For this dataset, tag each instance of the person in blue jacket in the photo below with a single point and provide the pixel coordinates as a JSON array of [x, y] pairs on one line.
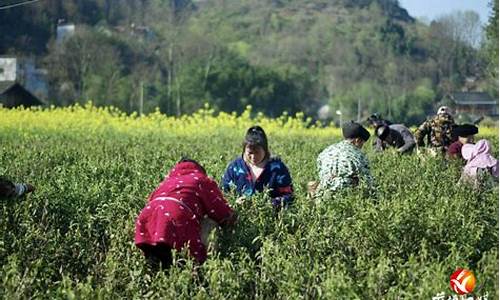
[[256, 169]]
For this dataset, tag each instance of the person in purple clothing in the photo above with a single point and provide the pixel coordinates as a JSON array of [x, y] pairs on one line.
[[481, 169], [256, 169]]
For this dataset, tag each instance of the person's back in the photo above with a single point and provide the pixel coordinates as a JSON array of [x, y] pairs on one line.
[[403, 131], [173, 216], [341, 165], [482, 168], [395, 135], [192, 187], [438, 131]]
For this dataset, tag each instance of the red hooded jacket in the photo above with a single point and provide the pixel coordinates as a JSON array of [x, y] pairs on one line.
[[175, 209]]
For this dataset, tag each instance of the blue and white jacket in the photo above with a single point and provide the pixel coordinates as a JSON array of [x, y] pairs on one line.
[[275, 177]]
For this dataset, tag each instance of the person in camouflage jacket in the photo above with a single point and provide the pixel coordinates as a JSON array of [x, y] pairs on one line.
[[438, 131]]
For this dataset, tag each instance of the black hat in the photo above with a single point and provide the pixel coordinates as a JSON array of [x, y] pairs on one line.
[[351, 130], [382, 131], [464, 130]]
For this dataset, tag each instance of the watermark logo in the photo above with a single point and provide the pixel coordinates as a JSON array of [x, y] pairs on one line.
[[462, 281]]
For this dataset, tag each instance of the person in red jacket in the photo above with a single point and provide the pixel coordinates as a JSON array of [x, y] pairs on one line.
[[173, 216]]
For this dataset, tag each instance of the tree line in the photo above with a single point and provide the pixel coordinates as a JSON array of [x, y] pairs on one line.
[[359, 56]]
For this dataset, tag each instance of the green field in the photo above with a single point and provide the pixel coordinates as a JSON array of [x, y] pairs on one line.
[[93, 169]]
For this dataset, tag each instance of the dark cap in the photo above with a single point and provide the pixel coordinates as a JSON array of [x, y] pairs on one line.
[[464, 130], [382, 131], [352, 130]]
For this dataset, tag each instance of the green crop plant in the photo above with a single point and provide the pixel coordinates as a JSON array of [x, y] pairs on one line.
[[94, 168]]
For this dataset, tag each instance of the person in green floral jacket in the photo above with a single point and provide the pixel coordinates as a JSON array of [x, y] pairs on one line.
[[343, 165]]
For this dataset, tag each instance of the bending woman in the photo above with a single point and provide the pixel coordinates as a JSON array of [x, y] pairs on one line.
[[173, 216]]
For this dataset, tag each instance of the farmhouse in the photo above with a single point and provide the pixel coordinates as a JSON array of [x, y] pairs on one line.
[[13, 94], [474, 103]]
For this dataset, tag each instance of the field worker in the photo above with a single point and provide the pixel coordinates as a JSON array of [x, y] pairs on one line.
[[173, 216], [437, 130], [481, 168], [256, 169], [375, 120], [465, 135], [9, 189], [343, 165], [395, 135]]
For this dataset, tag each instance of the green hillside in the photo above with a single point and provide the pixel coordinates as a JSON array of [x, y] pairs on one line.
[[358, 56]]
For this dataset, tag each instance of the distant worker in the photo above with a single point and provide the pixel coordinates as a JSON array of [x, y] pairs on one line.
[[395, 135], [376, 120], [464, 135], [437, 130], [481, 170], [343, 165]]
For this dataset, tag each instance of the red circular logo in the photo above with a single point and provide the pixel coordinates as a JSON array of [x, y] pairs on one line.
[[462, 281]]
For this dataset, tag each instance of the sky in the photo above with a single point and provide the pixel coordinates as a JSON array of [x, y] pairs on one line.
[[432, 9]]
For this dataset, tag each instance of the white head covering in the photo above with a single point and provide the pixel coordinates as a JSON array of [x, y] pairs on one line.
[[443, 110]]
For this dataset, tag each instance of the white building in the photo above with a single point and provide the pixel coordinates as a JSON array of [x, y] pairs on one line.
[[63, 32], [8, 69], [24, 71]]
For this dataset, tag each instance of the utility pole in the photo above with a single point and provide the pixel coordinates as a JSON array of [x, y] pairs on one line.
[[141, 97], [359, 109], [178, 98], [170, 75], [339, 113]]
